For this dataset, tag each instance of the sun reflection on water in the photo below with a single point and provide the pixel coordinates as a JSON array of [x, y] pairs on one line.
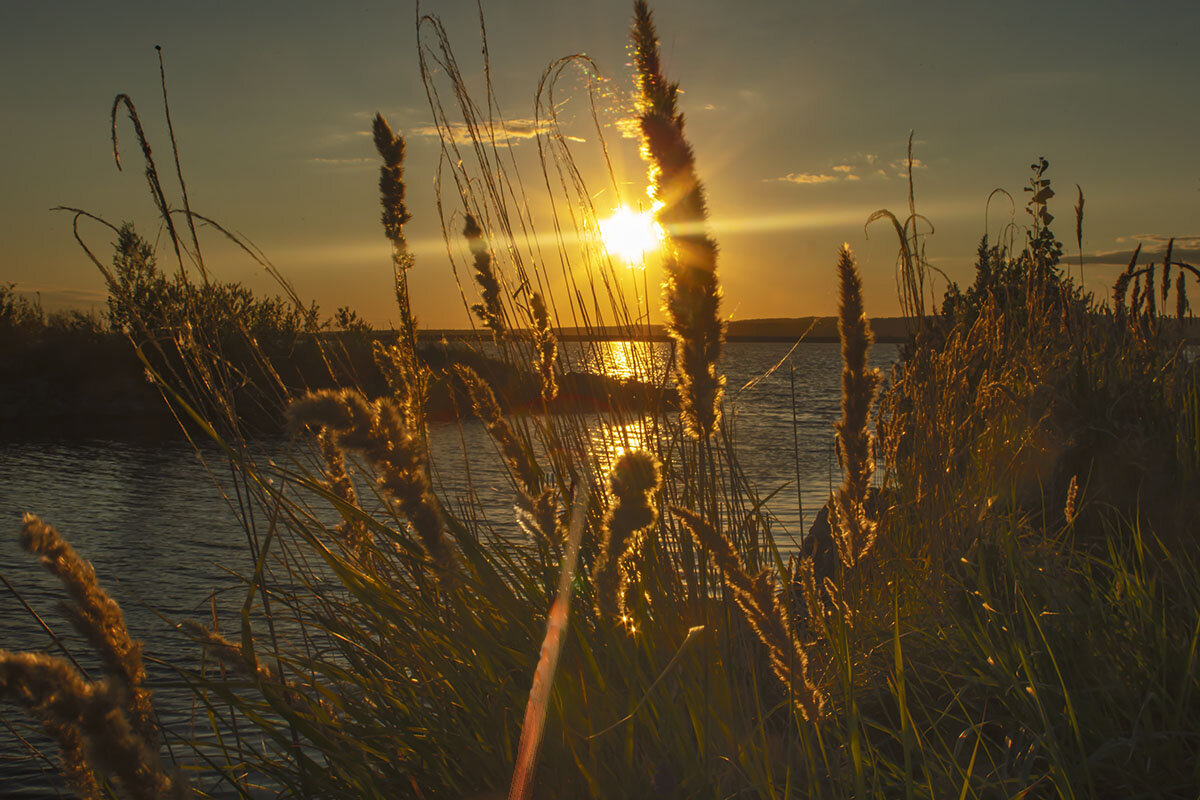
[[628, 360]]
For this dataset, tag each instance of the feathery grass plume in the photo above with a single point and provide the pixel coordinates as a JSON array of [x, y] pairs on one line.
[[1166, 280], [1150, 294], [231, 656], [1079, 230], [227, 653], [490, 312], [73, 752], [763, 610], [544, 345], [1122, 286], [402, 370], [1135, 299], [377, 430], [483, 403], [98, 619], [354, 535], [1181, 302], [634, 480], [390, 147], [535, 509], [854, 529], [391, 181], [1069, 508], [693, 296], [55, 691]]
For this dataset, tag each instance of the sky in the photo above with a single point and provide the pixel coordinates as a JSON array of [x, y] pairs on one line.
[[799, 114]]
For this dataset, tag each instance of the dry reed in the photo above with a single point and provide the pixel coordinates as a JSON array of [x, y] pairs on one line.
[[693, 296]]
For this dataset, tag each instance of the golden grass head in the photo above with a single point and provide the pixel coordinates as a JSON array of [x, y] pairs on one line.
[[490, 312], [764, 611], [391, 180], [634, 481], [378, 431], [96, 616], [855, 530], [544, 345], [1181, 301], [692, 293], [55, 691]]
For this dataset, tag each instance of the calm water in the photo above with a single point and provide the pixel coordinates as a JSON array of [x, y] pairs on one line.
[[164, 540]]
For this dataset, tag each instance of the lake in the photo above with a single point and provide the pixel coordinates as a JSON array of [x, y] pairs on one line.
[[165, 542]]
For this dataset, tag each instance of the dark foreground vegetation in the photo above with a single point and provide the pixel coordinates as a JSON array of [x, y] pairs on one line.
[[1002, 601]]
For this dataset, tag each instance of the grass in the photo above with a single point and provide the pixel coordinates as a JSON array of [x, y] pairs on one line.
[[1011, 611]]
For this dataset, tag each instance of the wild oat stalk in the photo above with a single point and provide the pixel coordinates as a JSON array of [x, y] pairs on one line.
[[854, 529], [693, 296], [634, 481], [764, 610], [377, 430], [490, 312], [98, 619]]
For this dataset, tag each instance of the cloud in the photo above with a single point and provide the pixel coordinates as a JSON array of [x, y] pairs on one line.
[[1120, 258], [901, 164], [871, 158], [843, 168], [510, 133], [806, 177], [853, 177], [1157, 239]]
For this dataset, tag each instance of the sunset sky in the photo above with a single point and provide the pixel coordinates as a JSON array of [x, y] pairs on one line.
[[798, 112]]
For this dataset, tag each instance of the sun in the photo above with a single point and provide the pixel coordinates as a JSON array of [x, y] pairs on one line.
[[630, 234]]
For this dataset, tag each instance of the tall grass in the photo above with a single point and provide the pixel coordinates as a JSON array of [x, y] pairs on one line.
[[1011, 611]]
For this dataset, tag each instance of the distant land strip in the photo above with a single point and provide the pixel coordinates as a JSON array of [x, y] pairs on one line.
[[893, 330]]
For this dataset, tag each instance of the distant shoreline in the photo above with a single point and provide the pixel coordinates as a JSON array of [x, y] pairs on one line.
[[815, 330]]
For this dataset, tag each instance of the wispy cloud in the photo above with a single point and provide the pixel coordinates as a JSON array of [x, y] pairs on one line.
[[510, 133], [1189, 252], [901, 166], [1159, 241], [843, 168], [806, 177]]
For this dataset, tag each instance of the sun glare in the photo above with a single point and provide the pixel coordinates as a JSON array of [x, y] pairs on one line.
[[630, 235]]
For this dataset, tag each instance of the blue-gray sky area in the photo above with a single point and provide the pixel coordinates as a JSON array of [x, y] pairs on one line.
[[798, 112]]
